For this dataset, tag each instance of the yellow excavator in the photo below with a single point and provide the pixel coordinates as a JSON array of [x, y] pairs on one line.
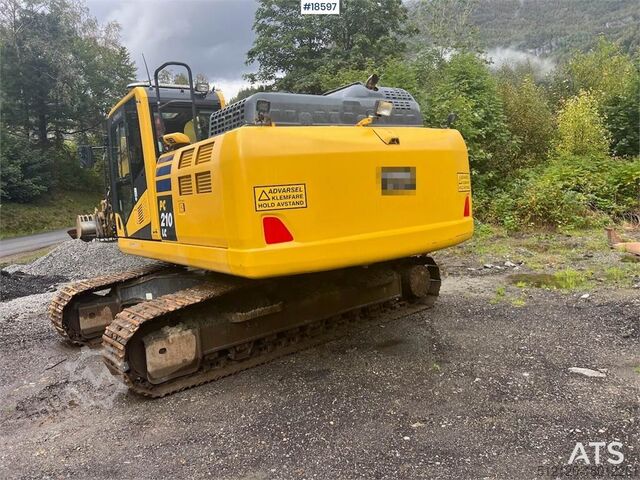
[[277, 219]]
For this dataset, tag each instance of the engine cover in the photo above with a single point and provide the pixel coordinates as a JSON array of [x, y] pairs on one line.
[[344, 106]]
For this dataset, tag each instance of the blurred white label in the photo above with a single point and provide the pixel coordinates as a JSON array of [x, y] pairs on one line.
[[328, 7]]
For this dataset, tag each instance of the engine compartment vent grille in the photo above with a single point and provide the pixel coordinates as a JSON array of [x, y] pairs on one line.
[[203, 182], [400, 98], [204, 153], [185, 185], [186, 159], [227, 118]]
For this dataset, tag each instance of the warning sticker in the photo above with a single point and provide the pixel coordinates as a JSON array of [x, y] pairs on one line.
[[280, 197], [464, 182]]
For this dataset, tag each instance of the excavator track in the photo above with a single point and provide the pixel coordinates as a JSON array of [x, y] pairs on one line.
[[124, 339], [71, 292]]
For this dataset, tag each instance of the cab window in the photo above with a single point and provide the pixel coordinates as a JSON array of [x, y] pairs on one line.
[[178, 118], [126, 158]]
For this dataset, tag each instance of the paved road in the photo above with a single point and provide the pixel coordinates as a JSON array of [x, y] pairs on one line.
[[12, 246]]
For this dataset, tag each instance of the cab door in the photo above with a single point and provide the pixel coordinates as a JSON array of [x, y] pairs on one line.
[[129, 183]]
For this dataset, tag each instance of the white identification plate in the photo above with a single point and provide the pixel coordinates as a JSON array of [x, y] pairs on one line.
[[326, 7]]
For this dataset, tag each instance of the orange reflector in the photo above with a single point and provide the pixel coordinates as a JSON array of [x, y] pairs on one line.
[[467, 207], [275, 231]]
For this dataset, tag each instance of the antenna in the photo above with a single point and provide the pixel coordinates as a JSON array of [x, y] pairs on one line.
[[147, 68]]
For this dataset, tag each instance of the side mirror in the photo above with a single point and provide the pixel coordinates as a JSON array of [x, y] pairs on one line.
[[85, 156], [451, 118], [202, 88]]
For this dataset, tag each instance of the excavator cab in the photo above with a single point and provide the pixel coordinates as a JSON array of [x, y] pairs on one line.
[[150, 120]]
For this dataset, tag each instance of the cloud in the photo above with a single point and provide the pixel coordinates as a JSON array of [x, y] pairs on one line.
[[509, 56], [212, 36]]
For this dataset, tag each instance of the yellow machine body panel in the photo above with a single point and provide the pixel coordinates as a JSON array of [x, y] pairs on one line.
[[264, 201]]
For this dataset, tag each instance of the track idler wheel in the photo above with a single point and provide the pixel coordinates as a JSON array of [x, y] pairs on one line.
[[421, 280]]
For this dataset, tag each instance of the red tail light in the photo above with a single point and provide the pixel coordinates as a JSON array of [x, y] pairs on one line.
[[275, 231], [467, 206]]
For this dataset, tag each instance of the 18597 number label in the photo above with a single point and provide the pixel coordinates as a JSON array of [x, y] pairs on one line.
[[328, 7]]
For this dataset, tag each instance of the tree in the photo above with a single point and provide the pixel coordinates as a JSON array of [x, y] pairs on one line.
[[528, 116], [247, 92], [23, 174], [604, 70], [614, 80], [291, 48], [445, 25], [622, 118], [581, 130], [61, 72], [464, 85], [169, 77]]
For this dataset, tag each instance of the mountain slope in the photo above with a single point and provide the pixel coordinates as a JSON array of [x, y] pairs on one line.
[[553, 27]]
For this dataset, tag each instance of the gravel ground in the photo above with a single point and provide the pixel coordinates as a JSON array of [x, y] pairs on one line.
[[473, 388], [18, 284], [75, 259]]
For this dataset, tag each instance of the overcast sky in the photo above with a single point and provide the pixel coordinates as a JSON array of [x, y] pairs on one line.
[[212, 36]]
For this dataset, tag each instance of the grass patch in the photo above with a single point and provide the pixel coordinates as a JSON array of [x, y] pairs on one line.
[[500, 295], [637, 369], [615, 274], [540, 250], [630, 259], [518, 302], [570, 279], [567, 279], [622, 275], [50, 212]]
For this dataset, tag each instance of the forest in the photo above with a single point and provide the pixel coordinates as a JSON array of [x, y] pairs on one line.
[[549, 148]]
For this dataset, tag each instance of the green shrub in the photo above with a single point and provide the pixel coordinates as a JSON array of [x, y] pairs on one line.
[[28, 171], [70, 176], [545, 202], [25, 169], [622, 118], [464, 85], [614, 79], [604, 70], [581, 130], [570, 191], [529, 118]]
